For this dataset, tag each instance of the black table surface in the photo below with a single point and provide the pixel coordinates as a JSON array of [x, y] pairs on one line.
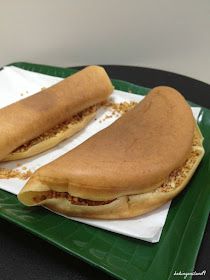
[[26, 257]]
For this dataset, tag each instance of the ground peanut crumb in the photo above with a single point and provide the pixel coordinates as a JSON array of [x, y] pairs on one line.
[[178, 176], [122, 107], [118, 109], [24, 93], [14, 173]]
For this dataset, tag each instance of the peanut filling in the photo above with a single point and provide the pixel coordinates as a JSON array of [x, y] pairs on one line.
[[179, 175], [57, 129], [74, 200], [175, 179]]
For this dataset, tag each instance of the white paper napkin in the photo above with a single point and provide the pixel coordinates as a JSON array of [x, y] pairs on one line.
[[16, 84]]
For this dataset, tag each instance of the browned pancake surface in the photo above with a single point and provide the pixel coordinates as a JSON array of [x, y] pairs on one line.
[[134, 155]]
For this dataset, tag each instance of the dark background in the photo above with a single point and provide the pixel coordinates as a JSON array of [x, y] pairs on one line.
[[26, 257]]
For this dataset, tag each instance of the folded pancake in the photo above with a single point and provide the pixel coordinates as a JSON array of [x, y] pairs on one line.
[[39, 122], [135, 165]]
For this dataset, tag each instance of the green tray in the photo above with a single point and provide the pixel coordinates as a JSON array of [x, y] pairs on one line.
[[120, 256]]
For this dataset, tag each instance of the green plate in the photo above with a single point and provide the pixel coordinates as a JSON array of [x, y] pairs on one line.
[[124, 257]]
